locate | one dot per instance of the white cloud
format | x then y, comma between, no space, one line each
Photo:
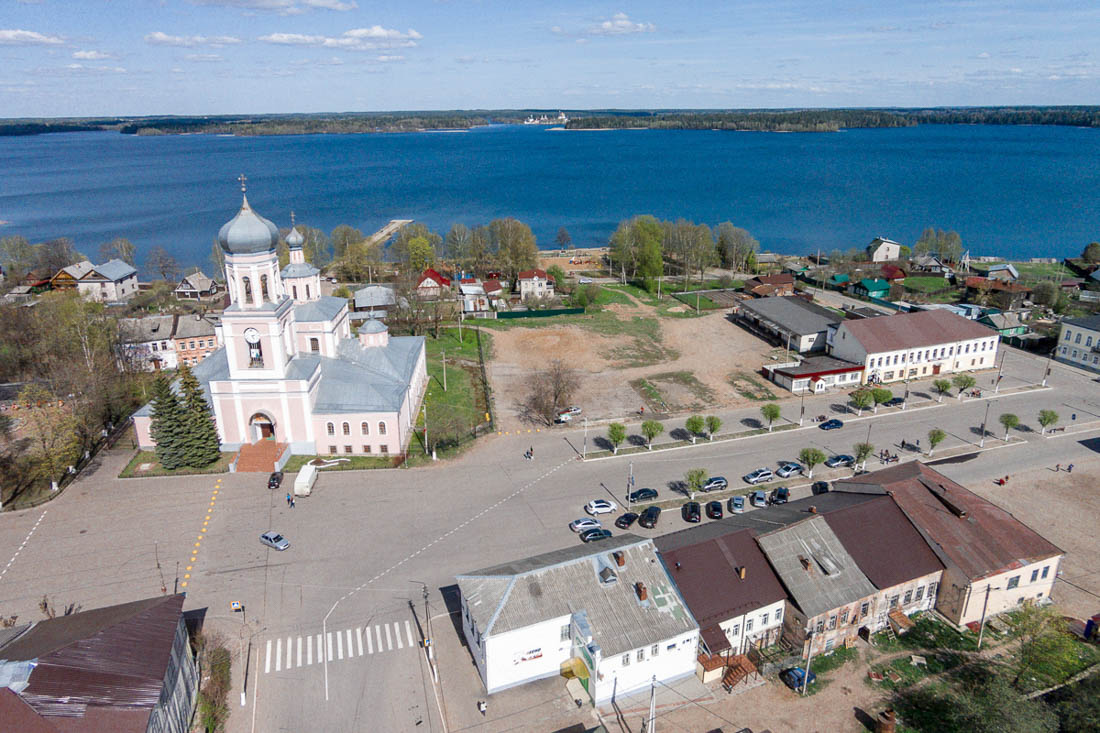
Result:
357,39
620,24
16,37
983,55
385,59
284,7
159,38
83,68
92,55
204,57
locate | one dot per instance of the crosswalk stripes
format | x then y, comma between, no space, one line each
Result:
345,643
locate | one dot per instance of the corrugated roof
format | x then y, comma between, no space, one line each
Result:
191,325
792,314
114,657
883,542
819,365
325,308
518,594
706,572
985,541
79,270
149,328
912,330
17,715
817,571
195,281
364,379
114,270
374,296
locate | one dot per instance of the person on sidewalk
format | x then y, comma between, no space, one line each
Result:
288,499
1069,468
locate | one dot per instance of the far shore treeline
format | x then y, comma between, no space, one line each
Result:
763,120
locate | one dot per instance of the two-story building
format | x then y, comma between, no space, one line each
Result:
727,584
148,343
195,338
1079,342
111,282
883,250
196,286
914,345
534,284
432,285
607,614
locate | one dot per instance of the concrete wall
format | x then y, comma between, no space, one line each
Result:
893,366
1079,346
527,654
962,602
672,659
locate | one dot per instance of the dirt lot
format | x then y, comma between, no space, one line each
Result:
574,260
691,358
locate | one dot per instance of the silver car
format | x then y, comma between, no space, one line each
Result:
274,540
759,476
584,524
788,469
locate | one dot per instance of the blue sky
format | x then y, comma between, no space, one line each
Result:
108,57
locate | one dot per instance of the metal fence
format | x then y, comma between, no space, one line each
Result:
541,314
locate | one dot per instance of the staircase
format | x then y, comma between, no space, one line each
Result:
737,671
259,457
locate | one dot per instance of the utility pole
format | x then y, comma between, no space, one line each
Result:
985,419
630,482
997,384
444,370
985,605
809,659
1047,373
425,407
652,721
787,354
905,400
584,449
802,408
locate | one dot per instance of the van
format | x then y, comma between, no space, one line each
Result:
303,484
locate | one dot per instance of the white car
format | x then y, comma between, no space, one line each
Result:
585,281
788,469
574,410
759,476
600,506
584,523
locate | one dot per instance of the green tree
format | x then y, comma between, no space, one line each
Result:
962,383
942,387
1079,705
694,425
342,237
1008,421
1091,253
1043,641
651,429
399,248
561,285
1045,293
881,395
166,424
359,262
862,399
119,248
770,411
695,478
421,254
948,245
714,423
51,431
734,246
863,451
456,246
1047,418
200,444
17,256
515,246
811,457
935,437
616,434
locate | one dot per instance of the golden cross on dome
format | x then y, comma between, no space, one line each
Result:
242,179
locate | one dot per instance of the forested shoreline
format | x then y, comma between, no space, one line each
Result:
760,120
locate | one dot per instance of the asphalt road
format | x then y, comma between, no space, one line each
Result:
327,624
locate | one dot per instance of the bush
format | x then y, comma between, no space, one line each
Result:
213,702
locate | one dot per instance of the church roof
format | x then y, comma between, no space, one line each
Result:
248,232
325,308
367,379
300,269
294,239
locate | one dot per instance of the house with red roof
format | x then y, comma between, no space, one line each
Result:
431,284
534,283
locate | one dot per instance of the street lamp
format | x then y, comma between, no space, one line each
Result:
981,444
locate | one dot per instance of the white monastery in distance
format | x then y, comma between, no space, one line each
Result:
290,370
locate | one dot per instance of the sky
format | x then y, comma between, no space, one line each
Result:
142,57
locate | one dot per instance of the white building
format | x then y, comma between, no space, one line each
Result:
728,584
148,342
883,250
1079,342
914,345
535,283
607,614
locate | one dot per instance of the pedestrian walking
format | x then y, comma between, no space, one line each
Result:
1069,468
481,706
292,502
531,452
288,499
1057,467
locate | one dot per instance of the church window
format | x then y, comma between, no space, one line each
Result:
255,356
314,345
347,429
331,429
381,428
307,292
247,285
365,428
294,288
263,286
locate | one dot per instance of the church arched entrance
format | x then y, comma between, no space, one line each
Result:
262,427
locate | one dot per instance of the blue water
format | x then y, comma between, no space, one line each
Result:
1013,191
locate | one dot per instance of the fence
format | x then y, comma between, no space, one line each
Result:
541,314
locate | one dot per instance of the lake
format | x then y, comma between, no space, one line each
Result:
1012,191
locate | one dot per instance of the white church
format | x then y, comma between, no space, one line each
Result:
290,375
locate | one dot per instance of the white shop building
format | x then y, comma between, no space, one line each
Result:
606,614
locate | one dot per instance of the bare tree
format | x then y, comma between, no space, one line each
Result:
159,261
550,391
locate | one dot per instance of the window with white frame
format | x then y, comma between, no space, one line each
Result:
626,660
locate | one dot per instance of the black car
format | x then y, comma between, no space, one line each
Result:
594,535
781,495
819,487
642,495
625,520
275,480
690,511
832,424
649,517
714,509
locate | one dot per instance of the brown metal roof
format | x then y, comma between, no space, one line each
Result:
912,330
964,530
706,574
883,542
17,715
107,658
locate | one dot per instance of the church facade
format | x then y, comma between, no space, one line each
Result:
290,369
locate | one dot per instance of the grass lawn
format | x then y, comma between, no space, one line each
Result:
909,673
650,394
751,387
463,405
929,284
822,664
1030,272
638,292
347,463
929,633
448,341
607,296
133,468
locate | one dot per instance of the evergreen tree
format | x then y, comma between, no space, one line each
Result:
166,423
200,436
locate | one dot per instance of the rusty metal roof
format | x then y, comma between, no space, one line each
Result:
914,330
883,542
965,530
706,572
105,665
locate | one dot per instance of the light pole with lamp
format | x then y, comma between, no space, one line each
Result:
981,443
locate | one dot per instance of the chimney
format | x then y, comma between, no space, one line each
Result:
806,564
677,566
642,592
620,558
813,510
741,572
886,722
